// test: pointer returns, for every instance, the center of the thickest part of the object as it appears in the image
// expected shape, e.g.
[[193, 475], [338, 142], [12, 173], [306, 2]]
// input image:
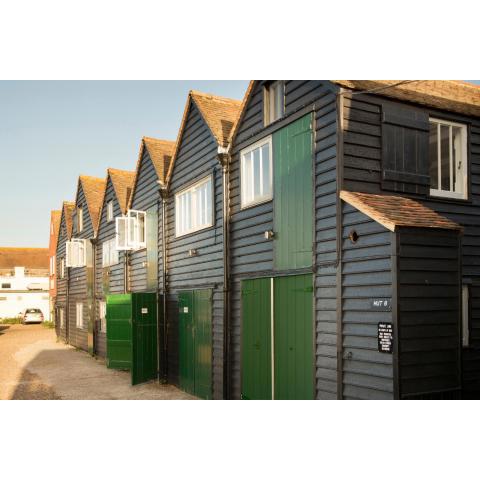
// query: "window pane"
[[458, 167], [248, 178], [141, 227], [445, 156], [433, 156], [208, 202], [266, 170], [256, 173]]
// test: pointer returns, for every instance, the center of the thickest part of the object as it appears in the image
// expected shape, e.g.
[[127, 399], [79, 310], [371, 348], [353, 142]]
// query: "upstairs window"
[[76, 253], [448, 159], [61, 315], [193, 208], [109, 253], [110, 211], [62, 268], [79, 315], [131, 231], [256, 173], [274, 101], [79, 219]]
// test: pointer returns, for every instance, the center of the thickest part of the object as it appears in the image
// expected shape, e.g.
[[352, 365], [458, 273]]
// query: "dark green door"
[[195, 342], [292, 361], [144, 337], [119, 331], [293, 201], [256, 339], [293, 346]]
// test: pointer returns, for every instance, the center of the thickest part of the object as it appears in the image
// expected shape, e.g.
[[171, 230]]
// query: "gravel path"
[[33, 365]]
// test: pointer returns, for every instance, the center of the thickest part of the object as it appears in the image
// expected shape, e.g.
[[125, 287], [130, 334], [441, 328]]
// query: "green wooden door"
[[293, 344], [195, 342], [186, 350], [202, 311], [119, 331], [256, 339], [293, 199], [144, 337]]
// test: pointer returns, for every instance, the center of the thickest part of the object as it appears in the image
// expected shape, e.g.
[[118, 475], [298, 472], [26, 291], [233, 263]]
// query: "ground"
[[34, 366]]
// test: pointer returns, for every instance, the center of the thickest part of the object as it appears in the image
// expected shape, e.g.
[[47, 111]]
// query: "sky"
[[53, 131]]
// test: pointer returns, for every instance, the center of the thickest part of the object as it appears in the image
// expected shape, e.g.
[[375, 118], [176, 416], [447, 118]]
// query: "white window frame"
[[102, 315], [465, 316], [269, 108], [79, 315], [76, 253], [79, 219], [192, 189], [243, 180], [109, 253], [129, 227], [464, 161], [110, 211], [61, 315], [52, 265], [62, 267]]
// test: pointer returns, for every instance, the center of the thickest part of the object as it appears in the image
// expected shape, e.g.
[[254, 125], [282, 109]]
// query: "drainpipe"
[[164, 198], [223, 155], [125, 271], [67, 306], [94, 294]]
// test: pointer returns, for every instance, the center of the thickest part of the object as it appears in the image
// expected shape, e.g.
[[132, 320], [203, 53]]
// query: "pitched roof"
[[219, 113], [33, 258], [94, 191], [122, 181], [452, 95], [55, 217], [68, 208], [393, 211]]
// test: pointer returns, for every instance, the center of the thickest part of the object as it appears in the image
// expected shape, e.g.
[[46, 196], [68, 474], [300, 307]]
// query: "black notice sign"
[[384, 304], [385, 337]]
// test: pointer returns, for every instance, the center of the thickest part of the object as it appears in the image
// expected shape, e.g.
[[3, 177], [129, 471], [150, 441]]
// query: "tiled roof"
[[161, 153], [32, 258], [68, 208], [94, 191], [393, 211], [219, 113], [452, 95], [55, 217], [122, 181]]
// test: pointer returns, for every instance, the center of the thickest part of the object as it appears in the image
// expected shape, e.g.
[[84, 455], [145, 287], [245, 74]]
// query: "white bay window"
[[256, 173], [448, 159], [193, 208]]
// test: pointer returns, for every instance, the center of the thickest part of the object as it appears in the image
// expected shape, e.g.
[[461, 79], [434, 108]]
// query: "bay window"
[[448, 159], [193, 207]]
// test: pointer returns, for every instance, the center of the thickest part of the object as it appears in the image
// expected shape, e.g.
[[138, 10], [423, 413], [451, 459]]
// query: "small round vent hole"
[[353, 236]]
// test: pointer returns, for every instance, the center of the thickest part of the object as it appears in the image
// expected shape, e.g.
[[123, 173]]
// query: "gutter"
[[67, 307], [224, 157]]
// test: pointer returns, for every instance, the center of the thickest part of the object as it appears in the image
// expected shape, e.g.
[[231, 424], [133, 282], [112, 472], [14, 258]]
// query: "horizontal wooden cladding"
[[429, 311], [366, 274]]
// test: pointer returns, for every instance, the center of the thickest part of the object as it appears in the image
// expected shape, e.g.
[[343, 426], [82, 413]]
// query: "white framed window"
[[274, 101], [256, 173], [62, 268], [448, 159], [80, 219], [131, 231], [61, 317], [193, 207], [76, 252], [109, 253], [52, 265], [102, 313], [6, 285], [79, 315], [110, 211], [465, 316]]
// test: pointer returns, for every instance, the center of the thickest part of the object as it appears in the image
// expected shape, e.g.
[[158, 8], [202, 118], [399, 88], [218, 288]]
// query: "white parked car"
[[32, 315]]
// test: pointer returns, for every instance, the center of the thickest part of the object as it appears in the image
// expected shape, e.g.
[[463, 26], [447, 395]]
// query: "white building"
[[23, 281]]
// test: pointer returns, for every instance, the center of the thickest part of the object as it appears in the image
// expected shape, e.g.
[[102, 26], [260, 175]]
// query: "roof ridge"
[[212, 95]]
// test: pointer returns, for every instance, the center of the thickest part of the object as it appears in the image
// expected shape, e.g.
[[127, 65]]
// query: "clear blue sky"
[[51, 132]]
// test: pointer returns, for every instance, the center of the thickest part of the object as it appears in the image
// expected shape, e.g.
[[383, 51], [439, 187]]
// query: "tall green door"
[[195, 346], [293, 201], [256, 339], [293, 326], [291, 361], [144, 338], [119, 331]]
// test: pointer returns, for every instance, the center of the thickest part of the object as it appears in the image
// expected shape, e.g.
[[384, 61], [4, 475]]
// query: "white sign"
[[144, 310]]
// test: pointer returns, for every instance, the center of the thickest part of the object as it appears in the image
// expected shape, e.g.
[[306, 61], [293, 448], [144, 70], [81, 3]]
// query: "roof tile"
[[122, 181], [94, 191]]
